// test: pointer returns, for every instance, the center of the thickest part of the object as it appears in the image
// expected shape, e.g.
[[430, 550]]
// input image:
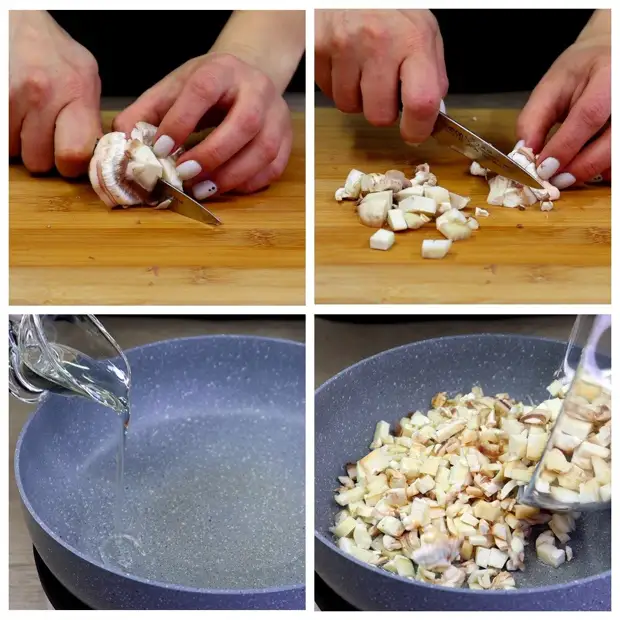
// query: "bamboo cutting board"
[[529, 256], [67, 247]]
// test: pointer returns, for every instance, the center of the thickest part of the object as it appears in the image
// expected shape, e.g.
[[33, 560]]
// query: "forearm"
[[273, 41], [598, 25]]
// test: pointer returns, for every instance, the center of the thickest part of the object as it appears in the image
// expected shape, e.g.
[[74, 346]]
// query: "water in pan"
[[103, 382], [214, 502]]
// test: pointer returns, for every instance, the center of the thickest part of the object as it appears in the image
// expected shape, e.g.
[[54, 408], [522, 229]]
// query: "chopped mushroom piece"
[[382, 240], [435, 248], [437, 501]]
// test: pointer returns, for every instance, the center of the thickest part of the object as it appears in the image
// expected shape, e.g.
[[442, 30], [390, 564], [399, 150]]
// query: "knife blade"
[[450, 133], [186, 206]]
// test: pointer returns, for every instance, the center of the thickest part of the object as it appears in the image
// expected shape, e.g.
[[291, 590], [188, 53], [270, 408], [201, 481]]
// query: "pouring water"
[[74, 355]]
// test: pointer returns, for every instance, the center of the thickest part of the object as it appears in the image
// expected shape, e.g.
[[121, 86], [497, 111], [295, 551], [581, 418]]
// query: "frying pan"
[[396, 382], [214, 480]]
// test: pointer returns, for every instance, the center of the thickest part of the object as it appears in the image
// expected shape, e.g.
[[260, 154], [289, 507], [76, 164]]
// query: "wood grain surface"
[[516, 256], [67, 247]]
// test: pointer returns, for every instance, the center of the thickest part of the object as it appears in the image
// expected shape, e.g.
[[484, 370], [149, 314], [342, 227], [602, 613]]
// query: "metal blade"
[[447, 131], [186, 206]]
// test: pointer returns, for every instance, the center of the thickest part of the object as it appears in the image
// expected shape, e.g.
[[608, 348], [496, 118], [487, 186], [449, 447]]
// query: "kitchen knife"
[[450, 133], [186, 206]]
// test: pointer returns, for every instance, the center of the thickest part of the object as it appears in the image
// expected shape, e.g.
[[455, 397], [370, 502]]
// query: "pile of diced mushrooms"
[[436, 501], [404, 204]]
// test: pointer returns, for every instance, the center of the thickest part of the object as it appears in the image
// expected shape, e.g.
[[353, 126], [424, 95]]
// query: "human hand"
[[363, 57], [576, 91], [54, 92], [251, 146]]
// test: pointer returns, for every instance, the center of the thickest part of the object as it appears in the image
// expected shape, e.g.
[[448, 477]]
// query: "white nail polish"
[[520, 144], [188, 170], [163, 146], [442, 107], [563, 180], [204, 190], [548, 168]]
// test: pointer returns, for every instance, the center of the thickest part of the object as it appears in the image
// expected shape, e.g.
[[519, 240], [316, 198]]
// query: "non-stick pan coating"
[[214, 470], [399, 381]]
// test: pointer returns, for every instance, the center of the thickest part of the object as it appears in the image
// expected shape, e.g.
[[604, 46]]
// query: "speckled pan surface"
[[214, 480], [396, 382]]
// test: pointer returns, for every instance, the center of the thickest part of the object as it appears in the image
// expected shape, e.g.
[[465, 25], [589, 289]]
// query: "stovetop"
[[327, 600], [57, 595]]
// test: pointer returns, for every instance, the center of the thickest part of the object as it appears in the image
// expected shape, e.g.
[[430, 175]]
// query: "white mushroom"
[[124, 172]]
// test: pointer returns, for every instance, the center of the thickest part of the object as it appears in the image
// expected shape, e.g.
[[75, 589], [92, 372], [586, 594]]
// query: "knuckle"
[[341, 41], [596, 112], [423, 106], [38, 86], [203, 83], [251, 119], [270, 147], [376, 32]]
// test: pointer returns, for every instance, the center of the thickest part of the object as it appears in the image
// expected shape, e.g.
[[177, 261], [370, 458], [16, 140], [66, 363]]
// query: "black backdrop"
[[487, 50]]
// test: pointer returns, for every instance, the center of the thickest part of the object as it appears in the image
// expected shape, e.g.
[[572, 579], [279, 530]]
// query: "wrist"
[[598, 26]]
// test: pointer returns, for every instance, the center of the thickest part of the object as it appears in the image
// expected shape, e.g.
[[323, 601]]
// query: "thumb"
[[78, 125]]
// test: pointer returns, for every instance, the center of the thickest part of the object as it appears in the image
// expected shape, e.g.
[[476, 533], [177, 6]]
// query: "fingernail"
[[597, 179], [548, 168], [188, 170], [163, 146], [563, 180], [204, 190], [442, 107], [520, 144]]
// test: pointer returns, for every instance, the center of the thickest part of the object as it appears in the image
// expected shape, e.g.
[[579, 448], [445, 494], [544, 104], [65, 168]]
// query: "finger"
[[591, 111], [37, 139], [17, 112], [543, 110], [607, 175], [273, 172], [593, 160], [150, 107], [201, 92], [257, 155], [78, 126], [421, 96], [243, 123], [379, 86], [323, 73], [346, 76]]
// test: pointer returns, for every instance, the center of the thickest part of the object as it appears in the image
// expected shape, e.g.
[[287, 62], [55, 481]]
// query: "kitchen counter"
[[25, 591]]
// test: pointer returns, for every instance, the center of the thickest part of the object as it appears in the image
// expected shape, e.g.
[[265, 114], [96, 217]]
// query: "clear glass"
[[574, 473], [69, 355]]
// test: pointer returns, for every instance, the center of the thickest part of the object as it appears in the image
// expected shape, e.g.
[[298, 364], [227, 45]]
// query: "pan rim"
[[489, 593], [135, 578]]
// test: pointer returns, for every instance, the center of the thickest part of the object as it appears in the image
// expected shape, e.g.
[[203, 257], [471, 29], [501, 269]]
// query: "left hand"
[[576, 91], [246, 152]]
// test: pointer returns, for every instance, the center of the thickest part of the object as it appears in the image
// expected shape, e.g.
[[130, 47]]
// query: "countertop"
[[25, 591], [67, 247]]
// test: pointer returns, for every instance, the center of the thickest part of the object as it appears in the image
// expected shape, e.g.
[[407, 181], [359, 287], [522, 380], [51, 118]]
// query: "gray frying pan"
[[396, 382], [214, 480]]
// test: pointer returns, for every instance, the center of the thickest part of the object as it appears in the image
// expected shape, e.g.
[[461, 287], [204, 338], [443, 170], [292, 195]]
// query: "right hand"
[[54, 92], [363, 57]]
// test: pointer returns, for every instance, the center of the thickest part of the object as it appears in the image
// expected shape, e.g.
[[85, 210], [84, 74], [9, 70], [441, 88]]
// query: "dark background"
[[110, 35], [487, 50]]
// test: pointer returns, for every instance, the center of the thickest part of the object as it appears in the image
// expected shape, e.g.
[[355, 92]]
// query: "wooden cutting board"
[[67, 247], [562, 256]]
